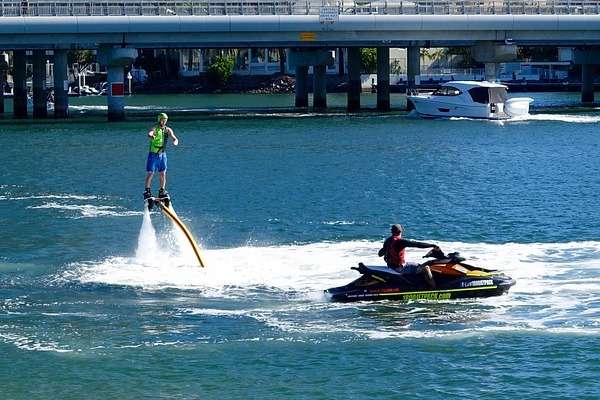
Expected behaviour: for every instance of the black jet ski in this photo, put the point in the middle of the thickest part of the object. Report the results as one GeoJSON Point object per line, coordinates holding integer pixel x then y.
{"type": "Point", "coordinates": [454, 279]}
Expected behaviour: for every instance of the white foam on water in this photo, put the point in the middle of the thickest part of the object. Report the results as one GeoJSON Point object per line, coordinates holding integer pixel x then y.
{"type": "Point", "coordinates": [320, 265]}
{"type": "Point", "coordinates": [27, 343]}
{"type": "Point", "coordinates": [571, 118]}
{"type": "Point", "coordinates": [87, 210]}
{"type": "Point", "coordinates": [557, 287]}
{"type": "Point", "coordinates": [50, 196]}
{"type": "Point", "coordinates": [147, 250]}
{"type": "Point", "coordinates": [342, 222]}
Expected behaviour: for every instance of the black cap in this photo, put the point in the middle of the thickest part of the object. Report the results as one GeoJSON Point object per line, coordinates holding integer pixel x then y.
{"type": "Point", "coordinates": [397, 227]}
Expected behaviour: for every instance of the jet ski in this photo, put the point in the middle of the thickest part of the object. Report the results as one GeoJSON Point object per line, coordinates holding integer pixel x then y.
{"type": "Point", "coordinates": [454, 279]}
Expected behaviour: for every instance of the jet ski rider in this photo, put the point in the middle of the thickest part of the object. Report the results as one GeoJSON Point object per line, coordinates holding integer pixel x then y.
{"type": "Point", "coordinates": [393, 252]}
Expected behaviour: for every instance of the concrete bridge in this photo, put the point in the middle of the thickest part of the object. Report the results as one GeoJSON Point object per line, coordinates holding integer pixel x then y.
{"type": "Point", "coordinates": [309, 29]}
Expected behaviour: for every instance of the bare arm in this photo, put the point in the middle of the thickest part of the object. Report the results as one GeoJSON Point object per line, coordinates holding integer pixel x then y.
{"type": "Point", "coordinates": [151, 133]}
{"type": "Point", "coordinates": [175, 140]}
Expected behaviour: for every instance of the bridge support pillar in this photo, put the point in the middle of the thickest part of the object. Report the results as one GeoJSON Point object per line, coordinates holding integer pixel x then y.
{"type": "Point", "coordinates": [61, 85]}
{"type": "Point", "coordinates": [491, 71]}
{"type": "Point", "coordinates": [587, 83]}
{"type": "Point", "coordinates": [354, 85]}
{"type": "Point", "coordinates": [589, 58]}
{"type": "Point", "coordinates": [302, 86]}
{"type": "Point", "coordinates": [383, 78]}
{"type": "Point", "coordinates": [40, 108]}
{"type": "Point", "coordinates": [319, 86]}
{"type": "Point", "coordinates": [116, 59]}
{"type": "Point", "coordinates": [116, 91]}
{"type": "Point", "coordinates": [19, 84]}
{"type": "Point", "coordinates": [413, 67]}
{"type": "Point", "coordinates": [3, 70]}
{"type": "Point", "coordinates": [490, 54]}
{"type": "Point", "coordinates": [341, 64]}
{"type": "Point", "coordinates": [301, 59]}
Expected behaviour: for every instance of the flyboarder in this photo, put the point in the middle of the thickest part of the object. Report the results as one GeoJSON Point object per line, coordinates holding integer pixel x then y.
{"type": "Point", "coordinates": [157, 157]}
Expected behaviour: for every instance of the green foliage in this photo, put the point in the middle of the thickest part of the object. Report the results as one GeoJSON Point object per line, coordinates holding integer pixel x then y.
{"type": "Point", "coordinates": [221, 69]}
{"type": "Point", "coordinates": [462, 55]}
{"type": "Point", "coordinates": [396, 67]}
{"type": "Point", "coordinates": [537, 53]}
{"type": "Point", "coordinates": [83, 57]}
{"type": "Point", "coordinates": [368, 60]}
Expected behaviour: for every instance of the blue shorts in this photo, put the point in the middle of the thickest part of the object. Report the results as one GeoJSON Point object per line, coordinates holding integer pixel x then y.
{"type": "Point", "coordinates": [156, 162]}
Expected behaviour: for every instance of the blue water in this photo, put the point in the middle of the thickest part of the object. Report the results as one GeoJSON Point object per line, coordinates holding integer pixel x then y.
{"type": "Point", "coordinates": [93, 305]}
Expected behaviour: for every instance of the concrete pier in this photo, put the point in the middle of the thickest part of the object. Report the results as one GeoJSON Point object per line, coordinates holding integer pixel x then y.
{"type": "Point", "coordinates": [340, 57]}
{"type": "Point", "coordinates": [490, 70]}
{"type": "Point", "coordinates": [413, 66]}
{"type": "Point", "coordinates": [319, 86]}
{"type": "Point", "coordinates": [354, 86]}
{"type": "Point", "coordinates": [301, 86]}
{"type": "Point", "coordinates": [40, 94]}
{"type": "Point", "coordinates": [20, 84]}
{"type": "Point", "coordinates": [301, 59]}
{"type": "Point", "coordinates": [282, 59]}
{"type": "Point", "coordinates": [383, 78]}
{"type": "Point", "coordinates": [587, 83]}
{"type": "Point", "coordinates": [589, 59]}
{"type": "Point", "coordinates": [3, 71]}
{"type": "Point", "coordinates": [491, 54]}
{"type": "Point", "coordinates": [61, 84]}
{"type": "Point", "coordinates": [116, 91]}
{"type": "Point", "coordinates": [116, 59]}
{"type": "Point", "coordinates": [2, 84]}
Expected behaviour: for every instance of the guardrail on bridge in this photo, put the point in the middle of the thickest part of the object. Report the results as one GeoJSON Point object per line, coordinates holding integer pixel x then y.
{"type": "Point", "coordinates": [44, 8]}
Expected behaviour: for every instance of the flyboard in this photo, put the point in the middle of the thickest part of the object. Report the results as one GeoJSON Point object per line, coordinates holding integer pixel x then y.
{"type": "Point", "coordinates": [166, 206]}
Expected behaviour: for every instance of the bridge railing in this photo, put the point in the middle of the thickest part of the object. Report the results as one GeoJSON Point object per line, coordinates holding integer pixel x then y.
{"type": "Point", "coordinates": [11, 8]}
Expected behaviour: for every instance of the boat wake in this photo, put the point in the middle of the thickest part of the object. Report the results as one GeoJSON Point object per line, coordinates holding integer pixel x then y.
{"type": "Point", "coordinates": [76, 211]}
{"type": "Point", "coordinates": [570, 118]}
{"type": "Point", "coordinates": [68, 205]}
{"type": "Point", "coordinates": [573, 119]}
{"type": "Point", "coordinates": [276, 293]}
{"type": "Point", "coordinates": [557, 286]}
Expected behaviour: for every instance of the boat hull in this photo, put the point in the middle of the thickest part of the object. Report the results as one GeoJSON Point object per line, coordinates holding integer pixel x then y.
{"type": "Point", "coordinates": [413, 287]}
{"type": "Point", "coordinates": [431, 108]}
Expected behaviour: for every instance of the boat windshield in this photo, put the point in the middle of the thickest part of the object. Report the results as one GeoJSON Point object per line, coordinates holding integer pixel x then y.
{"type": "Point", "coordinates": [488, 95]}
{"type": "Point", "coordinates": [446, 91]}
{"type": "Point", "coordinates": [498, 95]}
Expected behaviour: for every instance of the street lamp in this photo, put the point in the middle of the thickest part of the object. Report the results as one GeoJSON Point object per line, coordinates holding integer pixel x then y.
{"type": "Point", "coordinates": [129, 79]}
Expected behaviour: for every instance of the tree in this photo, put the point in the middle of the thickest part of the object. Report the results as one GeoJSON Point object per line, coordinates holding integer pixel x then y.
{"type": "Point", "coordinates": [221, 69]}
{"type": "Point", "coordinates": [396, 67]}
{"type": "Point", "coordinates": [80, 60]}
{"type": "Point", "coordinates": [368, 60]}
{"type": "Point", "coordinates": [80, 56]}
{"type": "Point", "coordinates": [83, 58]}
{"type": "Point", "coordinates": [461, 56]}
{"type": "Point", "coordinates": [538, 53]}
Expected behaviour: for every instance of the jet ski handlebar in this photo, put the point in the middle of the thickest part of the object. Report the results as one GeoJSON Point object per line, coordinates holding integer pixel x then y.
{"type": "Point", "coordinates": [436, 253]}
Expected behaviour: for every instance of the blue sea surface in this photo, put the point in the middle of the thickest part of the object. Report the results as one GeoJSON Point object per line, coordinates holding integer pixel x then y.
{"type": "Point", "coordinates": [101, 300]}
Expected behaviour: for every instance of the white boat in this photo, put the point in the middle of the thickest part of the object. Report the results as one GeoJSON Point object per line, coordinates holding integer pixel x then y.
{"type": "Point", "coordinates": [471, 99]}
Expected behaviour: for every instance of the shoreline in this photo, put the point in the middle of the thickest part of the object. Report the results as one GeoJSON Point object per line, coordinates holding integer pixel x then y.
{"type": "Point", "coordinates": [279, 84]}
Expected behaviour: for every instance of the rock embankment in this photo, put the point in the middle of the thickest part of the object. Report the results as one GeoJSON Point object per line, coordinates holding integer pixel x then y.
{"type": "Point", "coordinates": [279, 84]}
